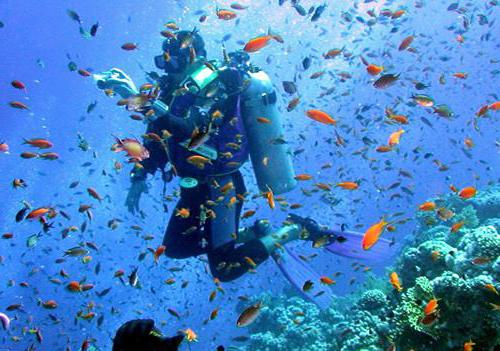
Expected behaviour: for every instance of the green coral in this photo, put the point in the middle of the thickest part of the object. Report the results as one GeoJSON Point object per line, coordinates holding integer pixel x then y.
{"type": "Point", "coordinates": [409, 313]}
{"type": "Point", "coordinates": [373, 300]}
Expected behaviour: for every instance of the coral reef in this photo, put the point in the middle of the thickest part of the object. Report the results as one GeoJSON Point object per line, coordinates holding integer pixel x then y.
{"type": "Point", "coordinates": [459, 268]}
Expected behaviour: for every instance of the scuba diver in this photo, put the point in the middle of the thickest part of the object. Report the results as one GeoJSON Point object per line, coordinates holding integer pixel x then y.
{"type": "Point", "coordinates": [206, 120]}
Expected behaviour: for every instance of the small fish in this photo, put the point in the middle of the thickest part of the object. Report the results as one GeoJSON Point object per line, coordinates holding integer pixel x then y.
{"type": "Point", "coordinates": [469, 345]}
{"type": "Point", "coordinates": [74, 16]}
{"type": "Point", "coordinates": [406, 43]}
{"type": "Point", "coordinates": [318, 12]}
{"type": "Point", "coordinates": [18, 85]}
{"type": "Point", "coordinates": [258, 43]}
{"type": "Point", "coordinates": [467, 192]}
{"type": "Point", "coordinates": [133, 278]}
{"type": "Point", "coordinates": [372, 234]}
{"type": "Point", "coordinates": [93, 29]}
{"type": "Point", "coordinates": [308, 285]}
{"type": "Point", "coordinates": [76, 252]}
{"type": "Point", "coordinates": [129, 46]}
{"type": "Point", "coordinates": [5, 321]}
{"type": "Point", "coordinates": [431, 307]}
{"type": "Point", "coordinates": [394, 280]}
{"type": "Point", "coordinates": [249, 315]}
{"type": "Point", "coordinates": [19, 105]}
{"type": "Point", "coordinates": [386, 81]}
{"type": "Point", "coordinates": [320, 116]}
{"type": "Point", "coordinates": [427, 206]}
{"type": "Point", "coordinates": [225, 14]}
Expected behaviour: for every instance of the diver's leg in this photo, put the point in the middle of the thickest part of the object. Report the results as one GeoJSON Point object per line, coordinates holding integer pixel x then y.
{"type": "Point", "coordinates": [227, 260]}
{"type": "Point", "coordinates": [184, 236]}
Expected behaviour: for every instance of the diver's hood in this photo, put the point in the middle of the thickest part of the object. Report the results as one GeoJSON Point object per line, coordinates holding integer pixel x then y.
{"type": "Point", "coordinates": [179, 55]}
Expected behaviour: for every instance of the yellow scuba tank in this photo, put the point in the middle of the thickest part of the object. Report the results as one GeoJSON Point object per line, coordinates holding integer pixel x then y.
{"type": "Point", "coordinates": [269, 152]}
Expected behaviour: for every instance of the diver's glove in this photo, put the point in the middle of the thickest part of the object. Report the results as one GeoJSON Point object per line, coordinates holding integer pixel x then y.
{"type": "Point", "coordinates": [116, 80]}
{"type": "Point", "coordinates": [134, 194]}
{"type": "Point", "coordinates": [313, 231]}
{"type": "Point", "coordinates": [141, 335]}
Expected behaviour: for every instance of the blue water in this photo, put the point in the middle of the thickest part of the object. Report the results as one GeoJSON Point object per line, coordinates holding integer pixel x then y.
{"type": "Point", "coordinates": [39, 40]}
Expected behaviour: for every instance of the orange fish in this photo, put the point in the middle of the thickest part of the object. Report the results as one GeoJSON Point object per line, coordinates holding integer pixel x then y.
{"type": "Point", "coordinates": [395, 137]}
{"type": "Point", "coordinates": [460, 75]}
{"type": "Point", "coordinates": [39, 143]}
{"type": "Point", "coordinates": [491, 288]}
{"type": "Point", "coordinates": [332, 53]}
{"type": "Point", "coordinates": [303, 177]}
{"type": "Point", "coordinates": [270, 198]}
{"type": "Point", "coordinates": [248, 214]}
{"type": "Point", "coordinates": [348, 185]}
{"type": "Point", "coordinates": [427, 206]}
{"type": "Point", "coordinates": [374, 70]}
{"type": "Point", "coordinates": [4, 147]}
{"type": "Point", "coordinates": [74, 286]}
{"type": "Point", "coordinates": [399, 118]}
{"type": "Point", "coordinates": [226, 15]}
{"type": "Point", "coordinates": [431, 307]}
{"type": "Point", "coordinates": [39, 212]}
{"type": "Point", "coordinates": [397, 14]}
{"type": "Point", "coordinates": [182, 212]}
{"type": "Point", "coordinates": [250, 262]}
{"type": "Point", "coordinates": [258, 43]}
{"type": "Point", "coordinates": [373, 233]}
{"type": "Point", "coordinates": [457, 226]}
{"type": "Point", "coordinates": [84, 72]}
{"type": "Point", "coordinates": [467, 192]}
{"type": "Point", "coordinates": [494, 106]}
{"type": "Point", "coordinates": [469, 345]}
{"type": "Point", "coordinates": [134, 149]}
{"type": "Point", "coordinates": [469, 143]}
{"type": "Point", "coordinates": [19, 105]}
{"type": "Point", "coordinates": [158, 252]}
{"type": "Point", "coordinates": [326, 280]}
{"type": "Point", "coordinates": [383, 148]}
{"type": "Point", "coordinates": [49, 304]}
{"type": "Point", "coordinates": [320, 116]}
{"type": "Point", "coordinates": [394, 280]}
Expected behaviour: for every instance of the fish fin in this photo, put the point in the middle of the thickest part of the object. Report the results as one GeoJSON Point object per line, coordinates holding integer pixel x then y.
{"type": "Point", "coordinates": [351, 247]}
{"type": "Point", "coordinates": [298, 272]}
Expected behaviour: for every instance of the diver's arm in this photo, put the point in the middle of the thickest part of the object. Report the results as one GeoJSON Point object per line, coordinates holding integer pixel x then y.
{"type": "Point", "coordinates": [120, 83]}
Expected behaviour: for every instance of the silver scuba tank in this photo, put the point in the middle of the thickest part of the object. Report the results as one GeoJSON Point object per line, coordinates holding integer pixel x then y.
{"type": "Point", "coordinates": [271, 159]}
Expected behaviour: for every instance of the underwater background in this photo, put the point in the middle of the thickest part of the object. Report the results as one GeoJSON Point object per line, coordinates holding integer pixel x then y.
{"type": "Point", "coordinates": [447, 89]}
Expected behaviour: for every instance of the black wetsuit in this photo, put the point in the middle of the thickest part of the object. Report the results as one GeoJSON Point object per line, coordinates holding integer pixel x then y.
{"type": "Point", "coordinates": [193, 236]}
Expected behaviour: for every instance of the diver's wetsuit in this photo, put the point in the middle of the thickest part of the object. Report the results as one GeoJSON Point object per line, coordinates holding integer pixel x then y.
{"type": "Point", "coordinates": [200, 233]}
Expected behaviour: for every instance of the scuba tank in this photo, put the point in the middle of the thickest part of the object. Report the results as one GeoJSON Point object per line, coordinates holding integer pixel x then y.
{"type": "Point", "coordinates": [271, 159]}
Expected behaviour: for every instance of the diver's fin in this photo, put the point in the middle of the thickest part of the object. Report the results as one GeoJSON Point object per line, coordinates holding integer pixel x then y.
{"type": "Point", "coordinates": [350, 246]}
{"type": "Point", "coordinates": [298, 273]}
{"type": "Point", "coordinates": [172, 344]}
